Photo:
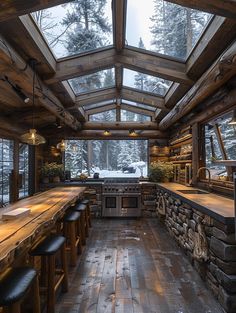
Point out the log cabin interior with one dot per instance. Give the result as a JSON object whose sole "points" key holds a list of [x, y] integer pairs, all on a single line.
{"points": [[117, 156]]}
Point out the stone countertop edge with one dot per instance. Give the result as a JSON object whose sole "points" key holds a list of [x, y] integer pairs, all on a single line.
{"points": [[216, 215]]}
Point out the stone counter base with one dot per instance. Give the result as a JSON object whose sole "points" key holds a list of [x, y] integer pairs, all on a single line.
{"points": [[209, 244]]}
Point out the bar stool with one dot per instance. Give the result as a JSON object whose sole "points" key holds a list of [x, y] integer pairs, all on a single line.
{"points": [[88, 211], [83, 225], [71, 221], [14, 285], [47, 250]]}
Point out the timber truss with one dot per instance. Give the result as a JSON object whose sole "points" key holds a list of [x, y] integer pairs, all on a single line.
{"points": [[210, 65]]}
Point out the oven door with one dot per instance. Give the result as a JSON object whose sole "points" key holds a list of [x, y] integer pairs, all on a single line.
{"points": [[111, 205], [131, 205]]}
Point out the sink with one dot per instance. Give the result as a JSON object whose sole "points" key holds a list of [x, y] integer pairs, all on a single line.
{"points": [[193, 191]]}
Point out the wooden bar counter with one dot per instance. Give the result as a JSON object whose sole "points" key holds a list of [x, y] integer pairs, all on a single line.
{"points": [[18, 235]]}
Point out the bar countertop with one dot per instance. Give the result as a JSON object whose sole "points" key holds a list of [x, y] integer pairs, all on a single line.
{"points": [[219, 207], [45, 209]]}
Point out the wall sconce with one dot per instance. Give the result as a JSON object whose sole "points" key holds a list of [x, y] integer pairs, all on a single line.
{"points": [[106, 132]]}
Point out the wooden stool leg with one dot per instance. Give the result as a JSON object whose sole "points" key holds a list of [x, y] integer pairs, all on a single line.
{"points": [[82, 224], [64, 267], [15, 308], [72, 236], [36, 296], [51, 284], [79, 248]]}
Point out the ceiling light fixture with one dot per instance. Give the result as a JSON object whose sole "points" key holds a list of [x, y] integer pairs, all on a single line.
{"points": [[32, 138], [233, 120], [132, 133], [106, 132], [62, 145]]}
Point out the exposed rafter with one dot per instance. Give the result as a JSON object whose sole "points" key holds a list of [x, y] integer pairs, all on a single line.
{"points": [[142, 97], [100, 109], [118, 77], [18, 71], [120, 125], [95, 97], [119, 18], [217, 75], [225, 8], [136, 110], [83, 65], [155, 65], [13, 8]]}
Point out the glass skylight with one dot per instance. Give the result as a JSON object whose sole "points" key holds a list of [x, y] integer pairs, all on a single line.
{"points": [[139, 105], [107, 116], [97, 105], [76, 27], [127, 116], [91, 82], [164, 27], [144, 82]]}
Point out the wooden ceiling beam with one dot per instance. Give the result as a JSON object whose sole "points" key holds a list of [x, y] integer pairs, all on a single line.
{"points": [[142, 97], [215, 77], [225, 8], [21, 74], [118, 76], [119, 21], [82, 65], [120, 125], [155, 65], [101, 109], [136, 110], [95, 97], [12, 8]]}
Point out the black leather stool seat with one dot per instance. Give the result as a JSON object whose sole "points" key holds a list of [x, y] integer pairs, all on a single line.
{"points": [[14, 284], [85, 201], [79, 207], [48, 246], [71, 216]]}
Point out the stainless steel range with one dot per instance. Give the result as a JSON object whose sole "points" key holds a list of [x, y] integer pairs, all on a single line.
{"points": [[121, 197]]}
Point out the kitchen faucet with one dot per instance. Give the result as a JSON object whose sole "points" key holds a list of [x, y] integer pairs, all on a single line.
{"points": [[209, 175]]}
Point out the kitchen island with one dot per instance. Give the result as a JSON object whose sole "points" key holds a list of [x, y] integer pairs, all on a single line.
{"points": [[19, 234]]}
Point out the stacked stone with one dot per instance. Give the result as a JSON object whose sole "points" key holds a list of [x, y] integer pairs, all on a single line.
{"points": [[148, 199]]}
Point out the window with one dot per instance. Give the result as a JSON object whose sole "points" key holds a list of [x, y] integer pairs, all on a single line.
{"points": [[144, 82], [6, 167], [91, 82], [106, 116], [76, 27], [109, 158], [164, 27], [128, 116], [23, 170]]}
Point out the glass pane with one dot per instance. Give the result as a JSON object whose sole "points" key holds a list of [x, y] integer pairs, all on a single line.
{"points": [[213, 153], [77, 26], [109, 158], [228, 134], [106, 116], [23, 170], [139, 105], [140, 81], [127, 116], [164, 27], [98, 80]]}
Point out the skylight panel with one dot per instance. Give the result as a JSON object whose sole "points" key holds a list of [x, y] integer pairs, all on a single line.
{"points": [[144, 82], [106, 116], [97, 104], [128, 116], [91, 82], [164, 27], [76, 27]]}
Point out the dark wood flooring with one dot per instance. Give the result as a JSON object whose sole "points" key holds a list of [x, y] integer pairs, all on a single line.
{"points": [[134, 266]]}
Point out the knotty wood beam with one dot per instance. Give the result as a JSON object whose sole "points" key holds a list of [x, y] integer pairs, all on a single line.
{"points": [[18, 72], [13, 8], [82, 65], [142, 97], [217, 75], [101, 109], [155, 65], [174, 94], [225, 8], [120, 126], [136, 110], [119, 21], [118, 76], [95, 97]]}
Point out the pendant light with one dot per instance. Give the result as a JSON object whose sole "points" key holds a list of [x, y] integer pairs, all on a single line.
{"points": [[62, 145], [32, 138]]}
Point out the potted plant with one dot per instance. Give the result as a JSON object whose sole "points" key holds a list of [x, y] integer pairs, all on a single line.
{"points": [[53, 171], [45, 173], [161, 171]]}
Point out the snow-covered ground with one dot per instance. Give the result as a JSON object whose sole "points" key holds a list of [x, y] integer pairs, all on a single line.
{"points": [[106, 173]]}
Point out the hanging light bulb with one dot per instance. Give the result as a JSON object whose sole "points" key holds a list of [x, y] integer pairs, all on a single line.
{"points": [[132, 133], [62, 145], [106, 132], [31, 137]]}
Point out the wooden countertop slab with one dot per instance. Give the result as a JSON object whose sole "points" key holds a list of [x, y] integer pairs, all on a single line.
{"points": [[19, 234]]}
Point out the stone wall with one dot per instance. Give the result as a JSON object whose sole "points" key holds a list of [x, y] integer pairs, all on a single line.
{"points": [[148, 191], [209, 244], [94, 194]]}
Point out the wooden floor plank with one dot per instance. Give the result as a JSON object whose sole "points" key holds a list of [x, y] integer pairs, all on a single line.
{"points": [[134, 266]]}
